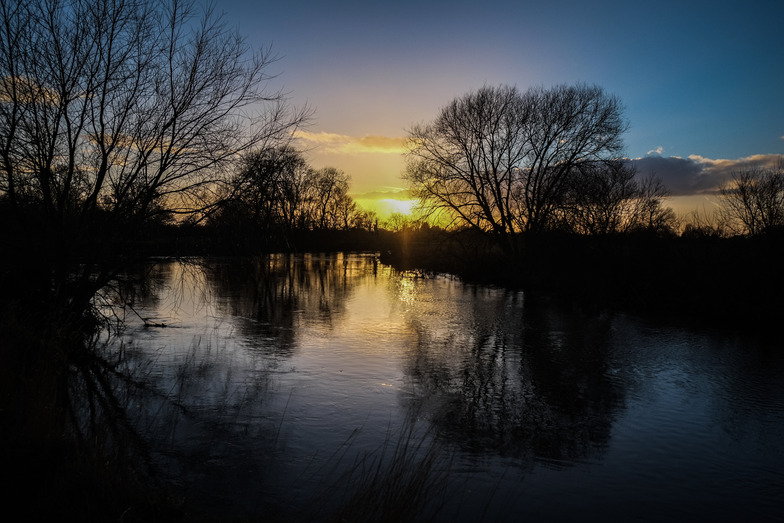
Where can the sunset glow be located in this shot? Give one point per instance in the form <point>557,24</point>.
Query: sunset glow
<point>371,72</point>
<point>385,207</point>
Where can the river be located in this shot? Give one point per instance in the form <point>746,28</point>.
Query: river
<point>286,387</point>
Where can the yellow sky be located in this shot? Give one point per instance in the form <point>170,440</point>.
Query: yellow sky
<point>374,163</point>
<point>371,72</point>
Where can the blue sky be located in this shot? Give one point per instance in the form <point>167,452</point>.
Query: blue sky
<point>702,82</point>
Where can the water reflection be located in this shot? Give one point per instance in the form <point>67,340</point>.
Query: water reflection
<point>278,374</point>
<point>268,297</point>
<point>498,373</point>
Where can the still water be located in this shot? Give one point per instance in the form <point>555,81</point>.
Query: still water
<point>288,386</point>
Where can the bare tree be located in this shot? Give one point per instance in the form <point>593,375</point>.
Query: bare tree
<point>113,113</point>
<point>345,211</point>
<point>600,197</point>
<point>275,193</point>
<point>753,201</point>
<point>366,220</point>
<point>649,211</point>
<point>328,203</point>
<point>271,184</point>
<point>500,161</point>
<point>608,197</point>
<point>566,125</point>
<point>703,224</point>
<point>398,222</point>
<point>467,163</point>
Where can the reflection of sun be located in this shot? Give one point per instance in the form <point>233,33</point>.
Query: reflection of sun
<point>407,291</point>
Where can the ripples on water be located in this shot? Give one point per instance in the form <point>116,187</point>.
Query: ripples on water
<point>284,378</point>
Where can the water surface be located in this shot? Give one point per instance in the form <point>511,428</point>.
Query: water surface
<point>283,381</point>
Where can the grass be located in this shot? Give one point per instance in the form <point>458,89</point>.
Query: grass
<point>404,479</point>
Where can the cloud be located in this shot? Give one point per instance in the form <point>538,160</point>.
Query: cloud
<point>393,193</point>
<point>26,90</point>
<point>343,144</point>
<point>697,174</point>
<point>680,175</point>
<point>658,151</point>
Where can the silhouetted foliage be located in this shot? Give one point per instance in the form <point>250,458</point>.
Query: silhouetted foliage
<point>116,115</point>
<point>274,182</point>
<point>267,195</point>
<point>648,271</point>
<point>753,201</point>
<point>277,201</point>
<point>607,197</point>
<point>500,161</point>
<point>701,224</point>
<point>398,222</point>
<point>328,202</point>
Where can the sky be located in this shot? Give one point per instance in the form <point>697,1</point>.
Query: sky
<point>702,83</point>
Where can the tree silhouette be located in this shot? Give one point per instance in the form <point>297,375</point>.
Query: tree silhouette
<point>753,201</point>
<point>115,115</point>
<point>608,197</point>
<point>500,161</point>
<point>329,205</point>
<point>268,192</point>
<point>275,197</point>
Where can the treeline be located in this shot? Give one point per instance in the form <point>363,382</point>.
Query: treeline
<point>536,194</point>
<point>506,162</point>
<point>276,201</point>
<point>734,282</point>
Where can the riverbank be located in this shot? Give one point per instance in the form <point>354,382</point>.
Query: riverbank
<point>689,280</point>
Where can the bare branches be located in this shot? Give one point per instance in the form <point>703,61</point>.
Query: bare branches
<point>275,197</point>
<point>499,161</point>
<point>606,197</point>
<point>146,103</point>
<point>116,113</point>
<point>753,201</point>
<point>568,124</point>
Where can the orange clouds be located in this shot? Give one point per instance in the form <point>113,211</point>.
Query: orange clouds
<point>725,166</point>
<point>332,143</point>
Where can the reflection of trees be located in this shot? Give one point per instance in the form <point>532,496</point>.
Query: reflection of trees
<point>272,293</point>
<point>568,361</point>
<point>141,286</point>
<point>529,382</point>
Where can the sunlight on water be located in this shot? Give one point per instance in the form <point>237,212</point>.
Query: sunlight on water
<point>279,375</point>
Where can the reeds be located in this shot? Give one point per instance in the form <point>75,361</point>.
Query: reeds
<point>405,479</point>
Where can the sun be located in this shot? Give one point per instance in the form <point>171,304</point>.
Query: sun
<point>397,206</point>
<point>385,207</point>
